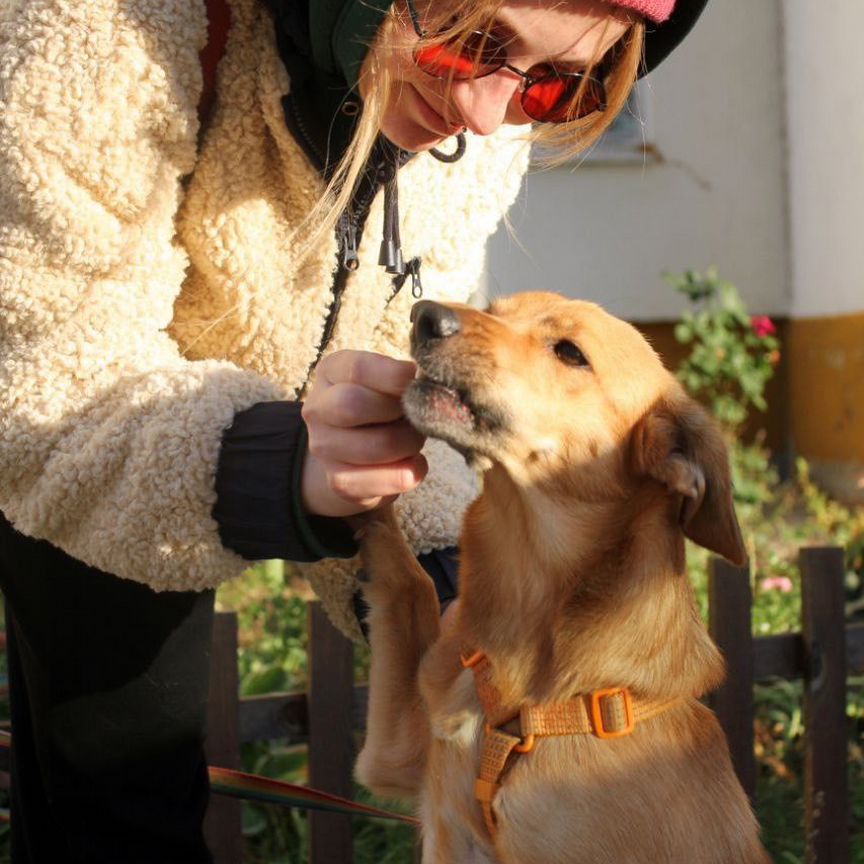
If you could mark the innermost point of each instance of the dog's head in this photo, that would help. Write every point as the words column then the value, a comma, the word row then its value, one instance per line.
column 571, row 400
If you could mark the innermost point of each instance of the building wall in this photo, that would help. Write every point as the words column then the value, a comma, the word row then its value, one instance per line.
column 826, row 189
column 755, row 164
column 826, row 156
column 715, row 195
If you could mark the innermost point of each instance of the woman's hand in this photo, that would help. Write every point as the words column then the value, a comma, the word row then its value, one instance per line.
column 361, row 449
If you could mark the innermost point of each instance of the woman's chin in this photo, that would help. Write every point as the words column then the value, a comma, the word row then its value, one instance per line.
column 412, row 123
column 414, row 140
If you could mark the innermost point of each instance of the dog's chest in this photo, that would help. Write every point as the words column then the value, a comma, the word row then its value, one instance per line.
column 452, row 821
column 456, row 716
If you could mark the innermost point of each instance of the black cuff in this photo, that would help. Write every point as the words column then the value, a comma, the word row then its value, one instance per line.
column 258, row 507
column 326, row 536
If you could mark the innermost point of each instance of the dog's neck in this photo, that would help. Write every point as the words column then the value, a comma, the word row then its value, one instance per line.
column 595, row 591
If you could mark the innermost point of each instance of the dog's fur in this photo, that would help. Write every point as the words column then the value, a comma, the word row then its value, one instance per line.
column 572, row 579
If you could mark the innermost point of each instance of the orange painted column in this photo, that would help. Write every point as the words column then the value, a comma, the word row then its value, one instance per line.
column 826, row 399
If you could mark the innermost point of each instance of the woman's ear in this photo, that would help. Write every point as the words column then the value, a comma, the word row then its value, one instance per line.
column 680, row 446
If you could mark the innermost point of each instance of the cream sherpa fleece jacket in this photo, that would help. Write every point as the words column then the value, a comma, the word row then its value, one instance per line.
column 150, row 289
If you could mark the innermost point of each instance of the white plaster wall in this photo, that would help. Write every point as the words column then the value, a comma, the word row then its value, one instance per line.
column 826, row 155
column 609, row 232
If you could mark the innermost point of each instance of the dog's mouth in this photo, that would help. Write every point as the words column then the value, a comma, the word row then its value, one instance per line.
column 447, row 410
column 441, row 402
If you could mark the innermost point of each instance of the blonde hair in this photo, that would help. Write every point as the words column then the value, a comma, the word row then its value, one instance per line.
column 560, row 142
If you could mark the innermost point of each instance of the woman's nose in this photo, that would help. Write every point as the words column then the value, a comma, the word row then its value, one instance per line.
column 483, row 103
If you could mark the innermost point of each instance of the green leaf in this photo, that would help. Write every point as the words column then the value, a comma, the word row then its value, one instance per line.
column 269, row 680
column 254, row 820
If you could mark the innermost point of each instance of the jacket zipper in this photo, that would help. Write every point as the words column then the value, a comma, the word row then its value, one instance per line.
column 353, row 221
column 307, row 138
column 350, row 228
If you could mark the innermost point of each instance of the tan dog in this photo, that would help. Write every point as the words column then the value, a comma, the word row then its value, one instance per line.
column 572, row 581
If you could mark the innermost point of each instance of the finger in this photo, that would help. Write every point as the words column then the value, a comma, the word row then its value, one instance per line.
column 366, row 445
column 367, row 486
column 375, row 371
column 320, row 499
column 348, row 405
column 344, row 507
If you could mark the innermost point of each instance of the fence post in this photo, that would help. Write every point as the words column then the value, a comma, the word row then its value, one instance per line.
column 331, row 744
column 730, row 604
column 824, row 631
column 223, row 824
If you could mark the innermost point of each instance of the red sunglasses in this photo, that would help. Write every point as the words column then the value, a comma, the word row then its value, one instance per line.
column 547, row 98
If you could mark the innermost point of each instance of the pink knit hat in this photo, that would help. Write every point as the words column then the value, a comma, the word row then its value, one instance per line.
column 654, row 10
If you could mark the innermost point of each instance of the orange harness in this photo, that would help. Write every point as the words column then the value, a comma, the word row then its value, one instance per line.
column 610, row 713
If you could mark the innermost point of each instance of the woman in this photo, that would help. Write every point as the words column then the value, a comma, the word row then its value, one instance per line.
column 173, row 308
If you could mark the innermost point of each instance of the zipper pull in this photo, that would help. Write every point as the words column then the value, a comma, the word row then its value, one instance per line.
column 413, row 267
column 350, row 259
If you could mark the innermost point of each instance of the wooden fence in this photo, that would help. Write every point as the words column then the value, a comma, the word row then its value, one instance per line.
column 329, row 715
column 334, row 709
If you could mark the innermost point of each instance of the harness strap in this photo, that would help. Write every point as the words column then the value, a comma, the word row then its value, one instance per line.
column 498, row 746
column 487, row 692
column 606, row 714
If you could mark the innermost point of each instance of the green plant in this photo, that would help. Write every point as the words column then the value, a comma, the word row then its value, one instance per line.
column 842, row 526
column 732, row 355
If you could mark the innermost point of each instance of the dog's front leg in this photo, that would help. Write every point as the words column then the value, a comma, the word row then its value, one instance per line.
column 403, row 623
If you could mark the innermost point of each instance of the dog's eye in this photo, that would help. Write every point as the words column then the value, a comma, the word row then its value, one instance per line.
column 570, row 354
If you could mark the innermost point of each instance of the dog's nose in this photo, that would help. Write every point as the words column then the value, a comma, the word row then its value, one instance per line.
column 432, row 321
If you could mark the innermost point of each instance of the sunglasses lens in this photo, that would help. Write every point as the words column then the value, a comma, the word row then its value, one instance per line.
column 480, row 54
column 550, row 100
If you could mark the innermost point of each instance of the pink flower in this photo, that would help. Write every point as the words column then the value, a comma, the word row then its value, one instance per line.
column 783, row 584
column 762, row 326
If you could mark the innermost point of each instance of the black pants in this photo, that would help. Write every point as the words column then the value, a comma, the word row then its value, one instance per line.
column 108, row 690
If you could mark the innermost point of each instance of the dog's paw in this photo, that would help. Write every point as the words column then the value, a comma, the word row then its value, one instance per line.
column 367, row 523
column 377, row 527
column 388, row 561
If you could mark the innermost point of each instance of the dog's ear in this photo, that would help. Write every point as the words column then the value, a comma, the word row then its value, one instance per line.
column 680, row 446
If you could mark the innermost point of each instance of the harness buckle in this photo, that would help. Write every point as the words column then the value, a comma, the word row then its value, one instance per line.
column 600, row 729
column 526, row 745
